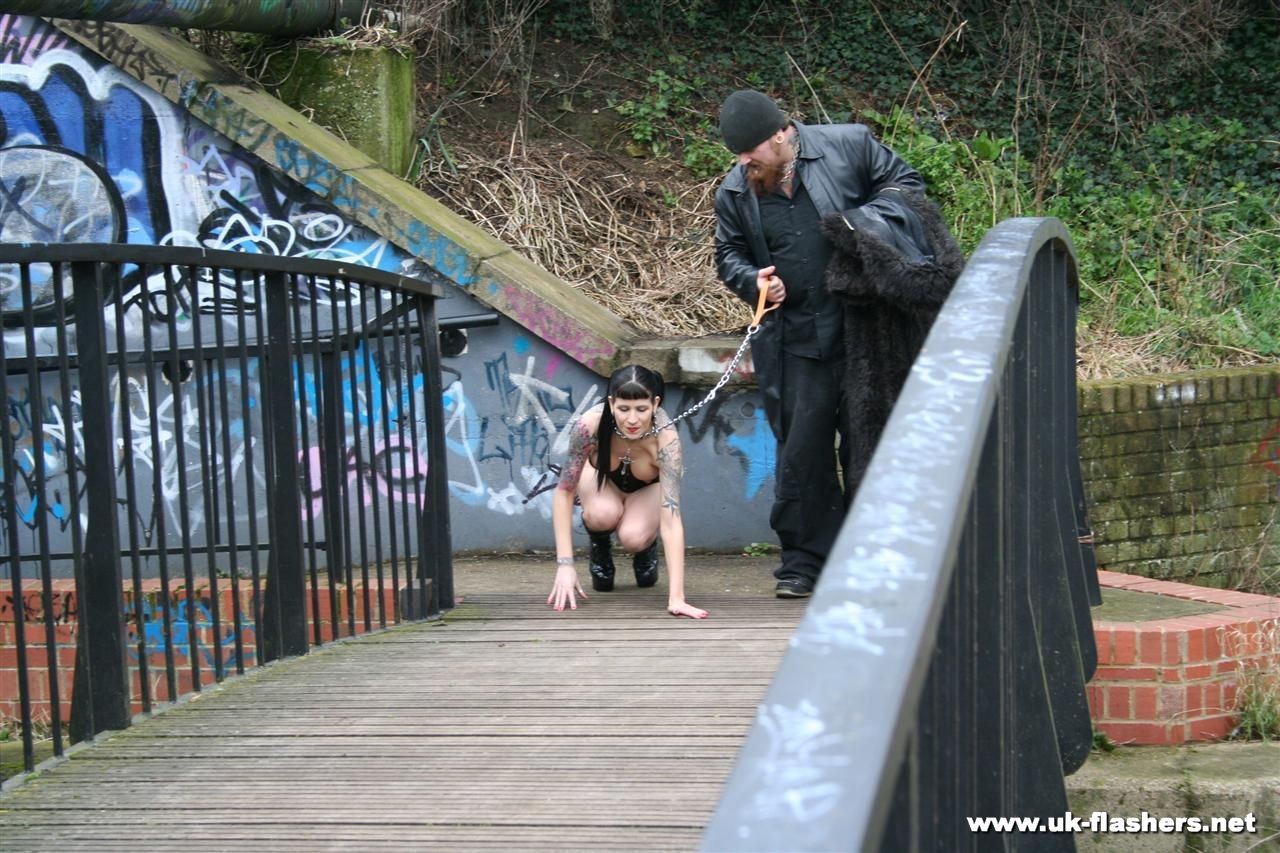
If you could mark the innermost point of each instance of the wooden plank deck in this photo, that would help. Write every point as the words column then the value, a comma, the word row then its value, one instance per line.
column 503, row 727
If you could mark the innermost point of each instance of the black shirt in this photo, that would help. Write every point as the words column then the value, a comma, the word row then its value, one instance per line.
column 812, row 320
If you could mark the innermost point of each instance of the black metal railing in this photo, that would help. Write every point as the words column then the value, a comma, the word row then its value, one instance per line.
column 211, row 460
column 939, row 672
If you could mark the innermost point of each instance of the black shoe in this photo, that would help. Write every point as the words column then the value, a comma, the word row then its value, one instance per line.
column 794, row 588
column 645, row 564
column 601, row 562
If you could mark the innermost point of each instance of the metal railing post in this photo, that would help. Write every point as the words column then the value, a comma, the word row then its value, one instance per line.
column 100, row 698
column 284, row 612
column 434, row 549
column 331, row 464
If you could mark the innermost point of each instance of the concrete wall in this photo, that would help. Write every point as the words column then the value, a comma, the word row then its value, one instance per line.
column 97, row 149
column 1182, row 476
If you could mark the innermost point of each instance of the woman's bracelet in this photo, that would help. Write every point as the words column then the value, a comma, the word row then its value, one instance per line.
column 564, row 561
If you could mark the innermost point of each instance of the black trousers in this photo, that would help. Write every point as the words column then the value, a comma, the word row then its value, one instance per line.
column 809, row 500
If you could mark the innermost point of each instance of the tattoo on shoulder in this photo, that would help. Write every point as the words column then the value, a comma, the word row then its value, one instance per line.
column 671, row 469
column 582, row 446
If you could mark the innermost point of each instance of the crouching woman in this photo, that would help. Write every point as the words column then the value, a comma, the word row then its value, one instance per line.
column 623, row 466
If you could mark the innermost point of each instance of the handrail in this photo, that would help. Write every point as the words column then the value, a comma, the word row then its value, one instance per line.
column 179, row 256
column 943, row 647
column 229, row 457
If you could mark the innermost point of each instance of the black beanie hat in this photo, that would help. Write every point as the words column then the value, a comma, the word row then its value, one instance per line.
column 748, row 118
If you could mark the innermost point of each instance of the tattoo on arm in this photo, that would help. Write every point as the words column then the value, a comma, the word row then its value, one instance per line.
column 582, row 446
column 671, row 469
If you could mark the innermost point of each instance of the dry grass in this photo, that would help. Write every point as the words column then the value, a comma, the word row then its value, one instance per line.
column 639, row 245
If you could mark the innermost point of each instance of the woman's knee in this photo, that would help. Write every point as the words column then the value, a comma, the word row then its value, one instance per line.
column 636, row 537
column 601, row 517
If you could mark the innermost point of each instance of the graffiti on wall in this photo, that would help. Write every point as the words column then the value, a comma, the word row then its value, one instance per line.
column 88, row 154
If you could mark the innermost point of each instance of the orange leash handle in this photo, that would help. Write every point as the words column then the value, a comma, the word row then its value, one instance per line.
column 761, row 310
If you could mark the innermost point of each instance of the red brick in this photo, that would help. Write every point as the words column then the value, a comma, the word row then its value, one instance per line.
column 1229, row 691
column 1151, row 647
column 1227, row 667
column 1143, row 733
column 1145, row 705
column 1113, row 673
column 1119, row 703
column 9, row 683
column 1173, row 703
column 1211, row 728
column 1195, row 646
column 1213, row 698
column 1171, row 674
column 1151, row 585
column 1124, row 649
column 38, row 685
column 1118, row 580
column 1213, row 639
column 1199, row 671
column 1095, row 694
column 1195, row 700
column 1236, row 640
column 1173, row 643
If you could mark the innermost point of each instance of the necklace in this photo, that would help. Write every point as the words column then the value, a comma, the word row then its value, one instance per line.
column 654, row 430
column 624, row 461
column 789, row 170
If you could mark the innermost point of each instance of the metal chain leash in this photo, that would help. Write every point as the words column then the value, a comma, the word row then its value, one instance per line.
column 543, row 483
column 711, row 395
column 754, row 327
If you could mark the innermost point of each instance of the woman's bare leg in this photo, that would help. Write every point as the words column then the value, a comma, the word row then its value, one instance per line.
column 602, row 508
column 638, row 526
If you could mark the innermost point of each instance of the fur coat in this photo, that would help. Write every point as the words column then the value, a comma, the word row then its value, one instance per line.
column 894, row 263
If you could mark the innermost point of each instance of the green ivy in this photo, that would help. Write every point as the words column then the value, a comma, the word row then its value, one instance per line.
column 1170, row 196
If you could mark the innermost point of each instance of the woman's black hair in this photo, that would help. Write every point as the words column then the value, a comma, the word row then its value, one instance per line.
column 632, row 382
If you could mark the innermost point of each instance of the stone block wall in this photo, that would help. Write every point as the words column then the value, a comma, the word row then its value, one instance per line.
column 1182, row 476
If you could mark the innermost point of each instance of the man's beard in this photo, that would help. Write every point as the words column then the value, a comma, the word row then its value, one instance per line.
column 764, row 180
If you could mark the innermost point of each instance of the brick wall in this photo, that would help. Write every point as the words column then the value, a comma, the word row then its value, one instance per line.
column 227, row 643
column 1171, row 681
column 1182, row 476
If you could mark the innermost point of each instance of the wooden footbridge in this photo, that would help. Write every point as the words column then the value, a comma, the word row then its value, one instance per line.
column 938, row 672
column 502, row 726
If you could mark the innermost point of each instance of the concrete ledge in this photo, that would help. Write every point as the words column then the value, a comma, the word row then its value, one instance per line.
column 1222, row 780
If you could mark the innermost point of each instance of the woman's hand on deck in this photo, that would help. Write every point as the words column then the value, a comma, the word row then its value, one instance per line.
column 683, row 608
column 566, row 589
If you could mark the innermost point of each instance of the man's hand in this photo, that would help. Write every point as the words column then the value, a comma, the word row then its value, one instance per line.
column 766, row 280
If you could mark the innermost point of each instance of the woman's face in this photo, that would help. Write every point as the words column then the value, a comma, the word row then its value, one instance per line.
column 633, row 417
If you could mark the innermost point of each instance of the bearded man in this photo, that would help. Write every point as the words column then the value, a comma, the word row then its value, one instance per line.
column 769, row 209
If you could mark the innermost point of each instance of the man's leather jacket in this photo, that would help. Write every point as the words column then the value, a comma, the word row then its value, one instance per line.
column 843, row 167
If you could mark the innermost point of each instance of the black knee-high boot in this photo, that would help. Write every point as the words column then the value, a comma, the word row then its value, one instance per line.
column 601, row 559
column 645, row 564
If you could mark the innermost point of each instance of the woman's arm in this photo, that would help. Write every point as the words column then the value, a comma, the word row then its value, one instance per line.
column 670, row 524
column 582, row 446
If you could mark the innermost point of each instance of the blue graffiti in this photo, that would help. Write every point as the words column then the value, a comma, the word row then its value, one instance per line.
column 182, row 627
column 759, row 448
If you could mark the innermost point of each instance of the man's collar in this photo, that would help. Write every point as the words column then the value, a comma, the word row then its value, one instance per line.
column 808, row 151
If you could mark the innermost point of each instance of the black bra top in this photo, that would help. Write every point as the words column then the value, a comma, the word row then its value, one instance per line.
column 626, row 481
